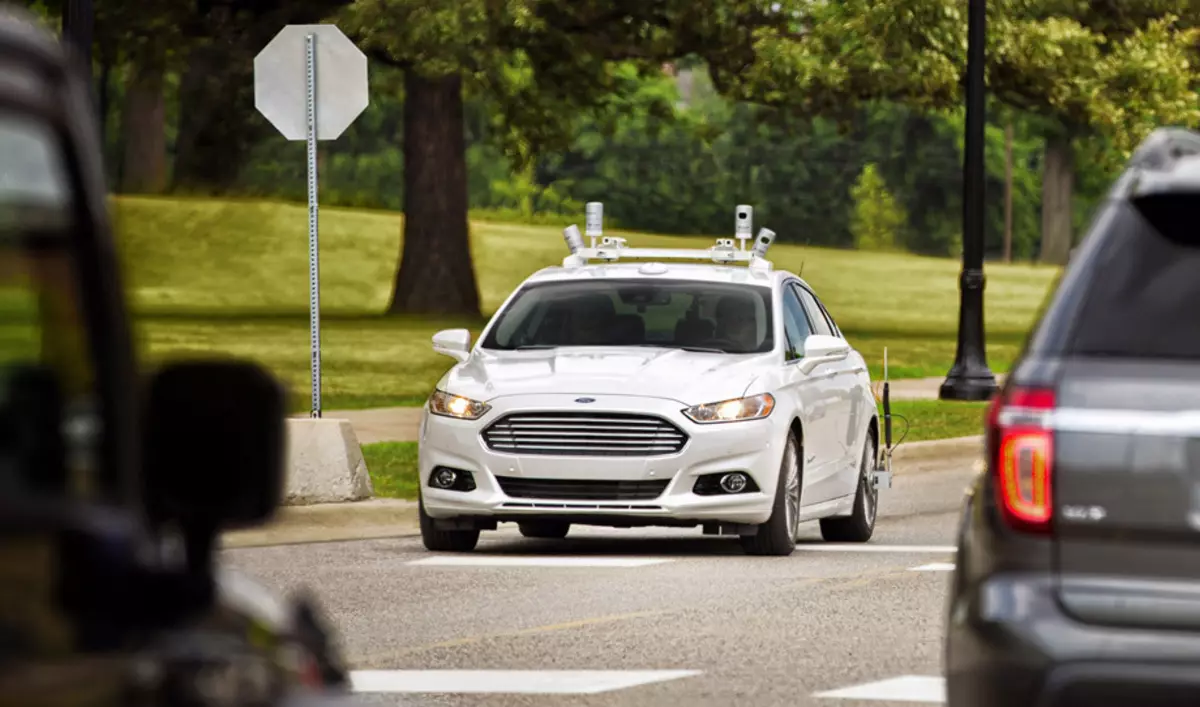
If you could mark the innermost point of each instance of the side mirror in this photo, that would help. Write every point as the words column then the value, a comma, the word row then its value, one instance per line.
column 821, row 348
column 213, row 450
column 455, row 343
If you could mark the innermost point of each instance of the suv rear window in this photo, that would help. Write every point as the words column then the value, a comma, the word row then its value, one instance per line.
column 1143, row 288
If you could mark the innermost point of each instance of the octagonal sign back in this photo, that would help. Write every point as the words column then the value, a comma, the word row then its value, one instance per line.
column 280, row 81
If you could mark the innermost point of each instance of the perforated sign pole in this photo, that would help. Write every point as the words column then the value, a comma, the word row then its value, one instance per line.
column 310, row 82
column 314, row 267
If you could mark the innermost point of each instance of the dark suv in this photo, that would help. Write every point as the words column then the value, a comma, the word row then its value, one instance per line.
column 116, row 482
column 1077, row 580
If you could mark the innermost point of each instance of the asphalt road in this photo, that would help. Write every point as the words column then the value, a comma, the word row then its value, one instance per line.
column 711, row 625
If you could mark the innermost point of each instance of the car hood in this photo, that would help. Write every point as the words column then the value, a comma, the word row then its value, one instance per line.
column 684, row 376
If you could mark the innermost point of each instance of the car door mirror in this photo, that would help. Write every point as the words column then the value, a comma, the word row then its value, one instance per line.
column 213, row 449
column 455, row 343
column 822, row 348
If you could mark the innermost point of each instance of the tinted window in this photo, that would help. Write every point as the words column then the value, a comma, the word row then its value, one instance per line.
column 46, row 376
column 669, row 313
column 1141, row 291
column 795, row 324
column 821, row 325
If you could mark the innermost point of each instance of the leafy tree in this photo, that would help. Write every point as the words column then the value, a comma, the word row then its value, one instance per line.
column 877, row 219
column 1115, row 68
column 218, row 124
column 538, row 63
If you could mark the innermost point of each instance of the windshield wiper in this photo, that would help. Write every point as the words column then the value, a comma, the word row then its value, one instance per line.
column 693, row 349
column 535, row 347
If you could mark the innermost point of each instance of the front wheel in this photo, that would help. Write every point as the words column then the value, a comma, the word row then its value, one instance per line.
column 778, row 535
column 860, row 526
column 444, row 540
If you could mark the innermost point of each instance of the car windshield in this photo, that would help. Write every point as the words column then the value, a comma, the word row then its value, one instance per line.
column 695, row 315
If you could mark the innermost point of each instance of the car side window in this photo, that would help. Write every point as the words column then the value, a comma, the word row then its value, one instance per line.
column 795, row 325
column 828, row 317
column 821, row 324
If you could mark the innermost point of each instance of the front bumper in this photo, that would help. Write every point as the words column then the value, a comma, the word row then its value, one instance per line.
column 754, row 447
column 1010, row 644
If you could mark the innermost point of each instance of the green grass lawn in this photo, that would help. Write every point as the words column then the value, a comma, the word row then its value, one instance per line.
column 923, row 420
column 393, row 468
column 231, row 277
column 393, row 465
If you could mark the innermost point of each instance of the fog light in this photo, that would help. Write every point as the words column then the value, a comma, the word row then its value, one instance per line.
column 445, row 478
column 734, row 482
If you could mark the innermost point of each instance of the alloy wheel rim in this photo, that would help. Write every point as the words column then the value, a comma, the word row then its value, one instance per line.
column 792, row 491
column 870, row 493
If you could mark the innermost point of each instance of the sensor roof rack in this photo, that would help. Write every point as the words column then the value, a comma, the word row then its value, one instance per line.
column 611, row 249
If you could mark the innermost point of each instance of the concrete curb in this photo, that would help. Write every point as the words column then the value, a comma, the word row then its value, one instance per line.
column 331, row 522
column 939, row 449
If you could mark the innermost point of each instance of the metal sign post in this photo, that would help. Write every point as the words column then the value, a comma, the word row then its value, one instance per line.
column 312, row 99
column 314, row 266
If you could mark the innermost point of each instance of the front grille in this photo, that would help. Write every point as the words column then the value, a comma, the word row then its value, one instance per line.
column 573, row 490
column 581, row 434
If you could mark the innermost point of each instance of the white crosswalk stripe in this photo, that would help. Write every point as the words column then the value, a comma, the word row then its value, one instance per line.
column 905, row 688
column 934, row 567
column 535, row 561
column 851, row 547
column 512, row 682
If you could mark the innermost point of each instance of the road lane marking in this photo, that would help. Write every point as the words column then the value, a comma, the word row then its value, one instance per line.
column 523, row 682
column 934, row 567
column 391, row 657
column 853, row 547
column 545, row 561
column 906, row 688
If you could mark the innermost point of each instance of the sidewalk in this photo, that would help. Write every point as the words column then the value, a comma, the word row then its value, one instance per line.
column 917, row 388
column 402, row 424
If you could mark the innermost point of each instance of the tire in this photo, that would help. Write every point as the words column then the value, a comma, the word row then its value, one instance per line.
column 778, row 535
column 860, row 526
column 444, row 540
column 545, row 529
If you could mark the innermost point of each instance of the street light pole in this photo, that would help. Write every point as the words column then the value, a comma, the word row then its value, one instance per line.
column 970, row 378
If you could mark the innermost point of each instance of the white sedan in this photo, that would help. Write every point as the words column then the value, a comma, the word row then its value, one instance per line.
column 628, row 394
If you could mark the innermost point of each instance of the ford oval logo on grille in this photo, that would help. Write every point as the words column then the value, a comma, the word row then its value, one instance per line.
column 585, row 400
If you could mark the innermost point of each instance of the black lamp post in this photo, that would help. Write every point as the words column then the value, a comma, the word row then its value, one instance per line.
column 970, row 378
column 77, row 27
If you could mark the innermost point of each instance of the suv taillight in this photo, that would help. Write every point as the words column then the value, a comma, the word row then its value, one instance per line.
column 1021, row 445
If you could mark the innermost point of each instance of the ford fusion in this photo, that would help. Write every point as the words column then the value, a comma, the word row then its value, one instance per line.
column 629, row 395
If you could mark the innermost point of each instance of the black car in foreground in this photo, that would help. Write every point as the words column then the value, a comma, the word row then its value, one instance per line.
column 1077, row 581
column 116, row 482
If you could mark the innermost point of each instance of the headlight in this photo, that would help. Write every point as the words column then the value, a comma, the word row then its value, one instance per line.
column 447, row 405
column 753, row 408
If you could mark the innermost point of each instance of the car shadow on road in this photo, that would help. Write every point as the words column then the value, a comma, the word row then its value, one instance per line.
column 664, row 546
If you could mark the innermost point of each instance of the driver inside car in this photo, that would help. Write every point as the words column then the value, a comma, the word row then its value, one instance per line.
column 736, row 322
column 592, row 318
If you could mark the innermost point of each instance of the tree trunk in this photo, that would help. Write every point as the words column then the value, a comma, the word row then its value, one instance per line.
column 104, row 100
column 218, row 123
column 1058, row 177
column 1008, row 192
column 144, row 168
column 435, row 274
